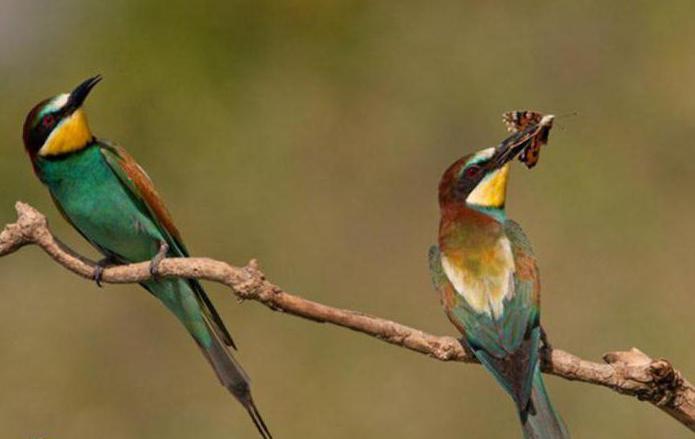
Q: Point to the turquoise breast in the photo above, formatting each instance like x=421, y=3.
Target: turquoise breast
x=98, y=205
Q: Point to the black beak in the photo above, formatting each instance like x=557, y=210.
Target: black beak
x=80, y=93
x=517, y=142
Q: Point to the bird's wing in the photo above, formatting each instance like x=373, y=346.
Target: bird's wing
x=439, y=279
x=141, y=190
x=522, y=311
x=526, y=275
x=447, y=294
x=520, y=321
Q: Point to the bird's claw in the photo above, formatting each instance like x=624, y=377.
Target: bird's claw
x=466, y=347
x=544, y=338
x=99, y=270
x=157, y=259
x=98, y=273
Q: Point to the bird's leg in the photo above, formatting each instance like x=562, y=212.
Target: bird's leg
x=547, y=349
x=157, y=259
x=464, y=345
x=99, y=269
x=544, y=338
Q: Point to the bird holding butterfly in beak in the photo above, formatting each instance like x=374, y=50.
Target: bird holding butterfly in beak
x=486, y=272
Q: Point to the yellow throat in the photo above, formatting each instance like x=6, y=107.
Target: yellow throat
x=72, y=134
x=492, y=189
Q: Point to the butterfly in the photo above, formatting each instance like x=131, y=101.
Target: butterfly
x=538, y=128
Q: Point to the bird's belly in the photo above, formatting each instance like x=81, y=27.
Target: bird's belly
x=118, y=228
x=101, y=210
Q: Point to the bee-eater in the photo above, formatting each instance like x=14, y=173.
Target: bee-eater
x=102, y=192
x=487, y=276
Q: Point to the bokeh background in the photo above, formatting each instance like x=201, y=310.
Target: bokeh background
x=311, y=135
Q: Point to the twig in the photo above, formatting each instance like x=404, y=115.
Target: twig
x=631, y=373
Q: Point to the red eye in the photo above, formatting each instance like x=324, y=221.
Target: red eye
x=48, y=120
x=472, y=171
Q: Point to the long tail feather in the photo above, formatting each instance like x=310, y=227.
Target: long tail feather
x=258, y=420
x=539, y=419
x=196, y=312
x=234, y=378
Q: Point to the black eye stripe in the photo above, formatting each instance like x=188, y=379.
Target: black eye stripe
x=50, y=120
x=476, y=169
x=44, y=127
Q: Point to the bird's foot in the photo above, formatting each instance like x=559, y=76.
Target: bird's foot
x=99, y=269
x=157, y=259
x=464, y=345
x=544, y=338
x=546, y=350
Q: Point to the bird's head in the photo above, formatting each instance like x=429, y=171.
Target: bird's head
x=476, y=181
x=479, y=180
x=58, y=125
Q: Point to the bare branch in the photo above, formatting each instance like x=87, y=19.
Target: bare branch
x=631, y=373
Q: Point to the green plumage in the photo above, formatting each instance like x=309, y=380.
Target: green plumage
x=99, y=196
x=102, y=191
x=94, y=199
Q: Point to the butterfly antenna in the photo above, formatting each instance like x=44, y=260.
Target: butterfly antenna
x=574, y=113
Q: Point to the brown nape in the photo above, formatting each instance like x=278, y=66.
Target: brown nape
x=448, y=184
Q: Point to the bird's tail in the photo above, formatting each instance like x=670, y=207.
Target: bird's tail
x=539, y=419
x=234, y=378
x=179, y=296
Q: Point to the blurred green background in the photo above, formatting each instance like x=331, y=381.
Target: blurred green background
x=311, y=135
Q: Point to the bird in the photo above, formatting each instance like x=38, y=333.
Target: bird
x=486, y=274
x=103, y=193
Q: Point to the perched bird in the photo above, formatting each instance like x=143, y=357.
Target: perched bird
x=487, y=276
x=110, y=200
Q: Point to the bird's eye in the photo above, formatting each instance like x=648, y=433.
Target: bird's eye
x=473, y=171
x=48, y=121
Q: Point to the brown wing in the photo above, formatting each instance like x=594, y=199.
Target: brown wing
x=530, y=155
x=146, y=190
x=520, y=120
x=142, y=189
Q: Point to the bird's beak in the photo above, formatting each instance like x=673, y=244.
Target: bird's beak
x=80, y=93
x=514, y=144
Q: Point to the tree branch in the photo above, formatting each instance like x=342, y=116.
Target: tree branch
x=631, y=373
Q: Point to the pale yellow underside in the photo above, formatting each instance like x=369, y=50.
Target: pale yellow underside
x=70, y=135
x=492, y=190
x=483, y=277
